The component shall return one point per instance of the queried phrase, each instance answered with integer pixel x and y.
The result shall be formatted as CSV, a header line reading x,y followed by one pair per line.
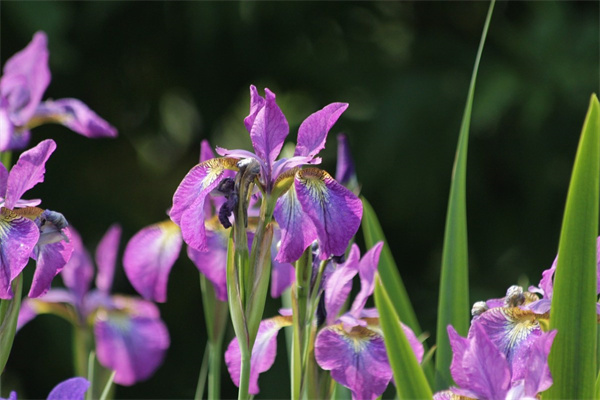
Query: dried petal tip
x,y
479,308
514,296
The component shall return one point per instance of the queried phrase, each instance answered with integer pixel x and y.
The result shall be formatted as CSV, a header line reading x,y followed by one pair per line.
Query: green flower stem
x,y
9,314
82,347
203,373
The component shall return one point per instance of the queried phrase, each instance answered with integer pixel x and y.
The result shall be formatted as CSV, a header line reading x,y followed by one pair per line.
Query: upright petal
x,y
206,152
459,345
313,131
297,229
257,102
366,270
133,346
339,283
213,262
50,260
344,170
269,130
106,257
71,389
75,115
356,359
334,210
78,272
28,171
18,236
282,277
149,257
263,352
189,198
25,79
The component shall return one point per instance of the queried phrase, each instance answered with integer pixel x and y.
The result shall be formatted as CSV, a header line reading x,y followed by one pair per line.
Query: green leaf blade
x,y
572,360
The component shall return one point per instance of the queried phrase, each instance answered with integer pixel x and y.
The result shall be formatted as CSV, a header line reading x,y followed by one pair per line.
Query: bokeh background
x,y
169,74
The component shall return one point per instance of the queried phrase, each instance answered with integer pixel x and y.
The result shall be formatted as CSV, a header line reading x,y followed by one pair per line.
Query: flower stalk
x,y
9,313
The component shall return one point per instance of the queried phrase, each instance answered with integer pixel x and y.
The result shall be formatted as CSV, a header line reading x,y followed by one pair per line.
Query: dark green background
x,y
168,74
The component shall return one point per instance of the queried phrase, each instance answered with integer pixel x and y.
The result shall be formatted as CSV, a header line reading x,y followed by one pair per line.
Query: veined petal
x,y
297,229
269,130
213,262
189,198
263,352
79,271
50,260
106,257
356,359
206,152
537,376
149,257
257,102
71,389
366,270
485,367
75,115
459,345
25,79
313,131
28,171
334,210
133,346
339,284
18,236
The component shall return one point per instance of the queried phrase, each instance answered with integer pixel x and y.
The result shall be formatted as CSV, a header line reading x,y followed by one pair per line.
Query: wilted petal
x,y
189,198
132,346
71,389
106,257
269,130
313,131
149,257
334,210
213,262
297,229
366,270
75,115
50,260
79,271
257,102
28,171
25,79
339,284
18,236
356,359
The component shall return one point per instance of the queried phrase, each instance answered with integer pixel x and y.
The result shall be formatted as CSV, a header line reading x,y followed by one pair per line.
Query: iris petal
x,y
50,260
78,272
213,263
71,389
313,131
106,257
339,284
366,270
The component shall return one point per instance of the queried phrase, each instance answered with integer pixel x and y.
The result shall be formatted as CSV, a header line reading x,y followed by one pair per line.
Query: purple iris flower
x,y
129,334
24,80
151,253
28,231
482,370
71,389
546,286
315,207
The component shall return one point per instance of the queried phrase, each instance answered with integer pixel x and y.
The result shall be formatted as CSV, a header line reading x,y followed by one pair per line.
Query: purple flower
x,y
25,78
310,204
27,231
129,334
482,370
71,389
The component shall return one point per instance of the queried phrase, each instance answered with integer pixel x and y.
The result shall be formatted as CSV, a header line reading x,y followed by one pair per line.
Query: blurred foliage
x,y
169,74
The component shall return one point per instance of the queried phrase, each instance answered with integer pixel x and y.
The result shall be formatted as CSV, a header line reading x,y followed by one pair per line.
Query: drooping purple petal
x,y
339,283
132,346
25,79
257,102
213,262
263,352
71,389
149,257
75,115
345,173
485,367
106,257
459,345
189,198
78,272
18,236
313,131
28,171
334,210
50,260
357,360
297,229
269,130
366,270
